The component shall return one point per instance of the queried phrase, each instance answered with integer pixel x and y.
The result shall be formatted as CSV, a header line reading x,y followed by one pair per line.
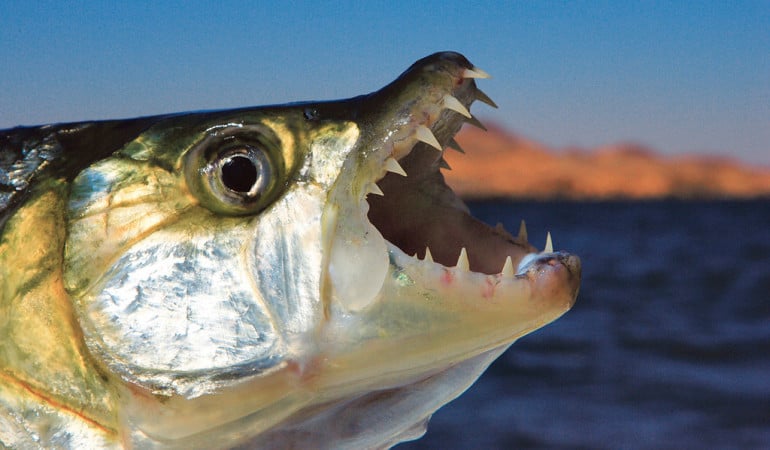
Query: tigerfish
x,y
294,276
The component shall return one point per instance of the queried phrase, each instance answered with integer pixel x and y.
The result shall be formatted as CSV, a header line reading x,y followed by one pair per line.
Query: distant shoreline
x,y
501,164
616,200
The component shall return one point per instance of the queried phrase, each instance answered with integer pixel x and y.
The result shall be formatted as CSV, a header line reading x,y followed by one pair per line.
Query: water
x,y
668,345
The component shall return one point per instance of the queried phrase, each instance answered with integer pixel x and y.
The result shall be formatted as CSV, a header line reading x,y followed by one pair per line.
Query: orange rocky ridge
x,y
502,164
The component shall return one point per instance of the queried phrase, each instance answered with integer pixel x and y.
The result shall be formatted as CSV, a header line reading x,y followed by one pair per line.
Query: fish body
x,y
286,276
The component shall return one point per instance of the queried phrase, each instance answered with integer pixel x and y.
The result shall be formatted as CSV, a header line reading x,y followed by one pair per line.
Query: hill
x,y
498,163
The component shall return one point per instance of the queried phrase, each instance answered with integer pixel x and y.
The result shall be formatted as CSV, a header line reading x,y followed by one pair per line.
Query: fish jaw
x,y
432,317
392,188
415,284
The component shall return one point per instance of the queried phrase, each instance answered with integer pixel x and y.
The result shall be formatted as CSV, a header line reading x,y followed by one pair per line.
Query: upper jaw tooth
x,y
475,122
454,145
452,103
423,134
475,72
391,165
484,98
374,189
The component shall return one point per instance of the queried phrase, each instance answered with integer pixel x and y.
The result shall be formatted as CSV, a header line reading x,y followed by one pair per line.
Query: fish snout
x,y
555,276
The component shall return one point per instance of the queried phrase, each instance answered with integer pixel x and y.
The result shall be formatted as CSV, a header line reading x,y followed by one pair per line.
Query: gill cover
x,y
194,254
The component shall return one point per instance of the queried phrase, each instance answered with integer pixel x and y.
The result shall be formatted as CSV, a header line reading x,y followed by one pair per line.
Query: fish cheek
x,y
142,269
179,306
112,205
166,290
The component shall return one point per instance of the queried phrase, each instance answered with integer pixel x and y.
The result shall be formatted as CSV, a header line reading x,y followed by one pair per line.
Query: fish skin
x,y
148,301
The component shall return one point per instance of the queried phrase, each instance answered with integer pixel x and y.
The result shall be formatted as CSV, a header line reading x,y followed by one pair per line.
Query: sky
x,y
681,76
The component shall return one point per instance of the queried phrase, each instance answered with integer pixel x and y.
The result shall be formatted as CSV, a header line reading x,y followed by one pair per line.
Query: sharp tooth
x,y
475,73
444,165
475,122
455,105
454,145
423,134
523,232
374,189
484,98
548,244
428,256
391,165
500,230
508,267
462,261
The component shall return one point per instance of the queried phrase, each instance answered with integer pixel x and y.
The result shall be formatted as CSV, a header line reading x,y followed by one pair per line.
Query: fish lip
x,y
571,262
556,268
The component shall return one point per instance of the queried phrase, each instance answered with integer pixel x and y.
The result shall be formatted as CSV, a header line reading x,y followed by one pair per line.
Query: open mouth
x,y
407,208
422,216
416,211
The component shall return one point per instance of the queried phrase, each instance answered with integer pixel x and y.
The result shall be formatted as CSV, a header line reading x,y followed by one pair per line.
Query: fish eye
x,y
234,174
239,173
243,171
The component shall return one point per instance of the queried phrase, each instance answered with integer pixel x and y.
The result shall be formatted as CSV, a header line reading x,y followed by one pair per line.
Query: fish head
x,y
239,269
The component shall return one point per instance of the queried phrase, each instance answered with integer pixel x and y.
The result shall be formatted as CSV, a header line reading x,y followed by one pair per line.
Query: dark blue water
x,y
668,345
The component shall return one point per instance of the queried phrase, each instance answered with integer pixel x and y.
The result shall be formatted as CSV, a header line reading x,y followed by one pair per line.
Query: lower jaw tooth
x,y
462,261
507,267
548,244
428,256
523,232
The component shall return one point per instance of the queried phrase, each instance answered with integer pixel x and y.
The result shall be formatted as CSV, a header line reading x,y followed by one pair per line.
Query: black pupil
x,y
239,174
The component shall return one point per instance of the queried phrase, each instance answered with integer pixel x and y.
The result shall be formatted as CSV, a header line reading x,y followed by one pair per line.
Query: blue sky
x,y
677,76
